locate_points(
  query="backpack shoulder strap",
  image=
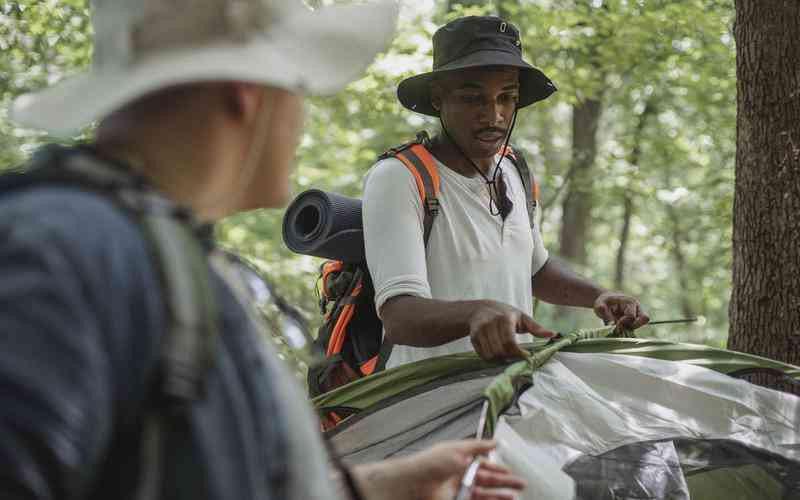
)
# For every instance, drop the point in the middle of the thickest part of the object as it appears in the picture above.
(180, 258)
(419, 161)
(187, 348)
(529, 184)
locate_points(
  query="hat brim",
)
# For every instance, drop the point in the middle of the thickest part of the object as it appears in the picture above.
(415, 92)
(313, 52)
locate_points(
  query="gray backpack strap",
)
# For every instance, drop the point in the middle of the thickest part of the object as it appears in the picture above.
(187, 351)
(182, 264)
(188, 348)
(528, 182)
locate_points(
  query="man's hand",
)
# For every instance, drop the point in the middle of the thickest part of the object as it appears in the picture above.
(620, 309)
(435, 474)
(493, 327)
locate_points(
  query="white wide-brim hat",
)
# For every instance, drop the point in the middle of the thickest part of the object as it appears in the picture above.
(145, 45)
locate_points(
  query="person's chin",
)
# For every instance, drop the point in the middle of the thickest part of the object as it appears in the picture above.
(486, 149)
(277, 200)
(273, 198)
(485, 152)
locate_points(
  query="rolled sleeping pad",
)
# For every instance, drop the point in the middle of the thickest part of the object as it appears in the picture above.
(326, 225)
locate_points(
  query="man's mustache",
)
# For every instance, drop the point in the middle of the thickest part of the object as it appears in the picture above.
(492, 130)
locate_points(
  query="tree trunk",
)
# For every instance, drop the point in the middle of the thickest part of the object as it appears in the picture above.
(680, 261)
(624, 233)
(577, 206)
(765, 301)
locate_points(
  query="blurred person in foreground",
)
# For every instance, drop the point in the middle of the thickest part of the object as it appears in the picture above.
(201, 102)
(472, 286)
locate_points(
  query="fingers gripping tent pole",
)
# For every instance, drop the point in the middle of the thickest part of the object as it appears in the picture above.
(502, 391)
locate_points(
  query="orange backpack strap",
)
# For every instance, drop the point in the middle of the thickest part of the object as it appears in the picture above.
(420, 163)
(531, 187)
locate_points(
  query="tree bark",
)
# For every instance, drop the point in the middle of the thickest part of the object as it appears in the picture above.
(765, 300)
(624, 235)
(628, 207)
(680, 261)
(577, 206)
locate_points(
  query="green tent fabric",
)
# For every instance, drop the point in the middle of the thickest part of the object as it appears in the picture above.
(365, 393)
(609, 418)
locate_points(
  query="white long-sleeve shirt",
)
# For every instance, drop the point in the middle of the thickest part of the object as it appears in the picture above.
(471, 254)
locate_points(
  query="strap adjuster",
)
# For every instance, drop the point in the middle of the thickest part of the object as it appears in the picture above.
(432, 205)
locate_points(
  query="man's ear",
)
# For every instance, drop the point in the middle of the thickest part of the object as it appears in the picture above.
(436, 95)
(243, 100)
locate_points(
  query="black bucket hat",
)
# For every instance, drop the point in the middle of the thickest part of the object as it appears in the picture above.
(471, 42)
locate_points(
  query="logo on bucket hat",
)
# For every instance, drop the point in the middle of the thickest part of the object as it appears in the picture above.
(470, 42)
(144, 45)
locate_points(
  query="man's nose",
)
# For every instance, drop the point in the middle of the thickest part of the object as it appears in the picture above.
(492, 113)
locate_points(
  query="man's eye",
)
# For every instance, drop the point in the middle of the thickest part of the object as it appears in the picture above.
(509, 98)
(469, 99)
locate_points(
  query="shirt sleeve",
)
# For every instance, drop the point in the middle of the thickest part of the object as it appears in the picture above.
(540, 253)
(393, 233)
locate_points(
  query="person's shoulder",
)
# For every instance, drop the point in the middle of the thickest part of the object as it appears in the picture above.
(389, 171)
(70, 218)
(511, 168)
(56, 205)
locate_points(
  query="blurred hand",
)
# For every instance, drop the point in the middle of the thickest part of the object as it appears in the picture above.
(436, 473)
(493, 327)
(620, 309)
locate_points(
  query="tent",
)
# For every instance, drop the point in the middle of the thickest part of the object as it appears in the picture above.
(603, 418)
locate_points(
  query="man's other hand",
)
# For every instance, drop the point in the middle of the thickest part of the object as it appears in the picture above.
(621, 310)
(493, 327)
(436, 473)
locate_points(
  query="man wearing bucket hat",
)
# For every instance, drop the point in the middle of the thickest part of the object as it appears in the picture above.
(199, 106)
(471, 284)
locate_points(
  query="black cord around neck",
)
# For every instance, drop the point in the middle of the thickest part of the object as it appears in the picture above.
(472, 163)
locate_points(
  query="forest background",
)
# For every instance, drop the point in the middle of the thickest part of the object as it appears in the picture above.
(635, 153)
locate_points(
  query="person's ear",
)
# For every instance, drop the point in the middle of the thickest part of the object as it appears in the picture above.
(436, 96)
(243, 100)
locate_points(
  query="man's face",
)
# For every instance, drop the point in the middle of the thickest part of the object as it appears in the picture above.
(477, 106)
(271, 186)
(285, 129)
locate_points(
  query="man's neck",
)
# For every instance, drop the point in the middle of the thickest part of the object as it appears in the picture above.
(184, 174)
(452, 157)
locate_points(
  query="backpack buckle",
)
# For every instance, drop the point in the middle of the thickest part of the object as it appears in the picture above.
(432, 205)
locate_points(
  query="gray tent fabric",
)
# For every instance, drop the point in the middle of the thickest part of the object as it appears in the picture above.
(606, 426)
(414, 423)
(685, 468)
(626, 427)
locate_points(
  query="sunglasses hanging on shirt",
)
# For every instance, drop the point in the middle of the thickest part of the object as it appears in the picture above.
(499, 204)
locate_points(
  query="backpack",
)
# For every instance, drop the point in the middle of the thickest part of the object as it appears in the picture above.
(170, 232)
(351, 336)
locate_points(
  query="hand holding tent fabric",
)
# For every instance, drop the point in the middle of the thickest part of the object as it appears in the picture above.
(621, 310)
(435, 474)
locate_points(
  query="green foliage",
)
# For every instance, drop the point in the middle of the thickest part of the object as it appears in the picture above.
(674, 56)
(40, 43)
